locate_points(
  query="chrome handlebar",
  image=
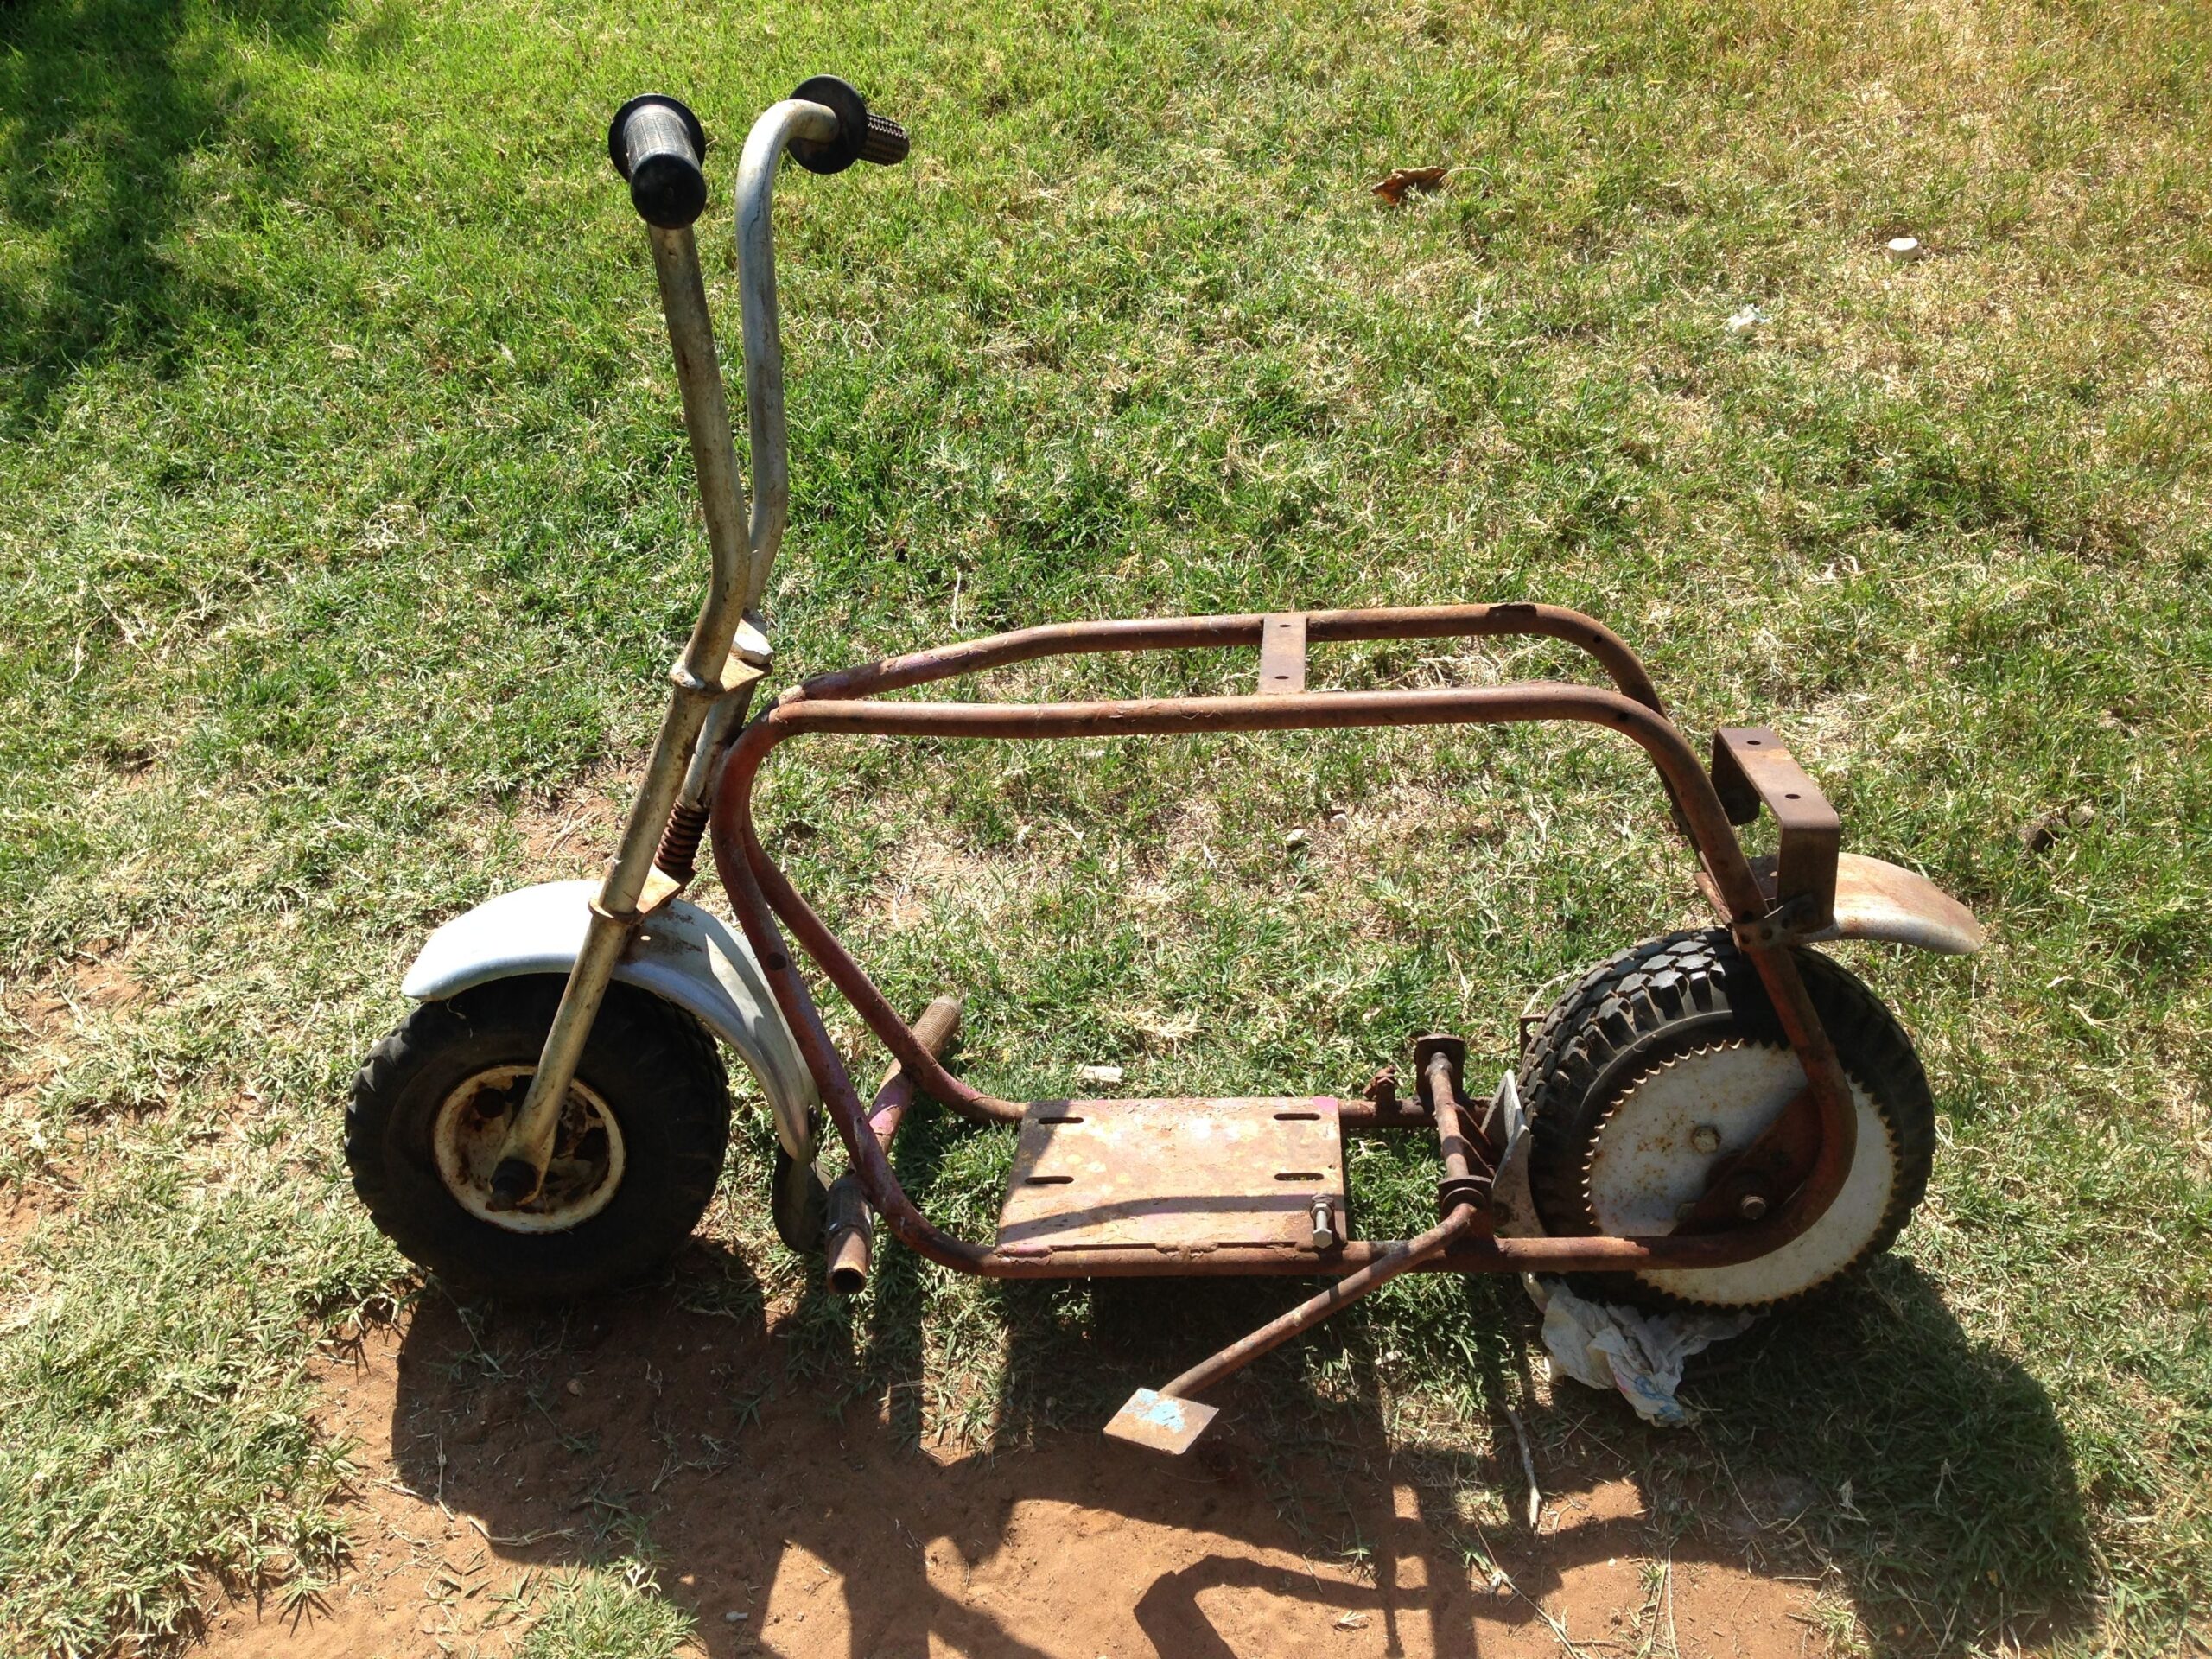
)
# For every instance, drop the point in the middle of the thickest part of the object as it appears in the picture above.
(804, 121)
(659, 146)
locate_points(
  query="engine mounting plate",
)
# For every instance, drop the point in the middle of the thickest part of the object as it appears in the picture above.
(1179, 1176)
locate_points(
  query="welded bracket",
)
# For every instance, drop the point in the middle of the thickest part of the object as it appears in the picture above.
(1751, 768)
(1282, 655)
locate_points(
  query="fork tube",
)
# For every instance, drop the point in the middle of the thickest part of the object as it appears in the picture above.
(703, 675)
(713, 455)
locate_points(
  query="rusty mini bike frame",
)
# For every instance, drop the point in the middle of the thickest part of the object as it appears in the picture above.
(852, 702)
(707, 762)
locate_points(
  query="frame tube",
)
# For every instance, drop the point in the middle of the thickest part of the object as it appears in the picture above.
(762, 897)
(1397, 1259)
(1212, 632)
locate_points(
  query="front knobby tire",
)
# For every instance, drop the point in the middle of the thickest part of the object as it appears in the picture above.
(642, 1135)
(1670, 1055)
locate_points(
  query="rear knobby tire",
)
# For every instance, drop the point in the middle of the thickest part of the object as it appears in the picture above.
(1677, 1035)
(644, 1136)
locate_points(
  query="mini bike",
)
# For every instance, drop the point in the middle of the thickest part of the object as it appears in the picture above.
(1723, 1117)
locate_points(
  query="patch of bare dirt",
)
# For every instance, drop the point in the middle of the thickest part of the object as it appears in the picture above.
(574, 834)
(792, 1530)
(102, 979)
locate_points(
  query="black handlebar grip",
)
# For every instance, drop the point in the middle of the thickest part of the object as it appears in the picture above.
(886, 143)
(860, 137)
(657, 144)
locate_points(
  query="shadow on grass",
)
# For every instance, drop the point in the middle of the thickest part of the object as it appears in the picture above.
(743, 1460)
(1927, 1467)
(107, 105)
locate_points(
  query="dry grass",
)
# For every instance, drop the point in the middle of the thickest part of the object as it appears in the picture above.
(346, 529)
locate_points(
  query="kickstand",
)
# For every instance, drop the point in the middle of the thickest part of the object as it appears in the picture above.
(1170, 1420)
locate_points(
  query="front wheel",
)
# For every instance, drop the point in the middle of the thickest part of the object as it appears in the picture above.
(1668, 1058)
(635, 1164)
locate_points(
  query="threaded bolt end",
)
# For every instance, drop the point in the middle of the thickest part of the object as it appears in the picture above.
(887, 142)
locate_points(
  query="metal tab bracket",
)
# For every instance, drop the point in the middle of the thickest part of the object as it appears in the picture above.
(1282, 655)
(1752, 768)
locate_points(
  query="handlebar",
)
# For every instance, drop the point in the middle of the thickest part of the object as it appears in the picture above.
(657, 144)
(862, 136)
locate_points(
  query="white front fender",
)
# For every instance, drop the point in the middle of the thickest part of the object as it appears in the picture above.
(681, 954)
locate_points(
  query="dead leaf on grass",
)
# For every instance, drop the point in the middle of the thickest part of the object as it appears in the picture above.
(1393, 189)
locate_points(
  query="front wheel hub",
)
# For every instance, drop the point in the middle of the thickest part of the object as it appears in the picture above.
(580, 1178)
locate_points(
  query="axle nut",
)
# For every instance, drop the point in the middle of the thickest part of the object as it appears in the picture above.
(1751, 1206)
(1706, 1137)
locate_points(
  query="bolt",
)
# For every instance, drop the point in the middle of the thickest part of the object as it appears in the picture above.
(1706, 1137)
(1325, 1223)
(1751, 1206)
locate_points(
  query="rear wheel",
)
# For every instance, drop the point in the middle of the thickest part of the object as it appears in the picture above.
(1669, 1057)
(634, 1164)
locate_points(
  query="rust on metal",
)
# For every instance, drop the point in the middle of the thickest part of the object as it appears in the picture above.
(850, 1231)
(767, 903)
(1876, 899)
(1168, 1408)
(1282, 655)
(1763, 1170)
(1173, 1176)
(1160, 1422)
(678, 856)
(1203, 632)
(1381, 1107)
(848, 1238)
(1438, 1061)
(1751, 767)
(659, 887)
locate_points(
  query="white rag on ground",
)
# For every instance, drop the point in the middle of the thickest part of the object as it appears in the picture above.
(1641, 1355)
(1596, 1343)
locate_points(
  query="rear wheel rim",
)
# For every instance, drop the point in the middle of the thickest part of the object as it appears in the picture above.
(581, 1178)
(1645, 1168)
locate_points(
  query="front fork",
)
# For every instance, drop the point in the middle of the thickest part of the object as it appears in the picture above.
(712, 685)
(658, 145)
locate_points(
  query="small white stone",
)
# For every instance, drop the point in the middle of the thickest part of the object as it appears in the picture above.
(1742, 321)
(1903, 249)
(576, 1385)
(1296, 839)
(1101, 1074)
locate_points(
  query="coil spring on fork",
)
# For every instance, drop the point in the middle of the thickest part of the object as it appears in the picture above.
(678, 856)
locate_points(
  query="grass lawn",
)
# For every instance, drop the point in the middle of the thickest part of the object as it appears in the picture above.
(345, 527)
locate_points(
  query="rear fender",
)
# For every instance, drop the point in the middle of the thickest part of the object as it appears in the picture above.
(1876, 899)
(681, 954)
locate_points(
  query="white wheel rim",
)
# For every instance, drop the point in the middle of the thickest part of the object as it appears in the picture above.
(581, 1179)
(1649, 1163)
